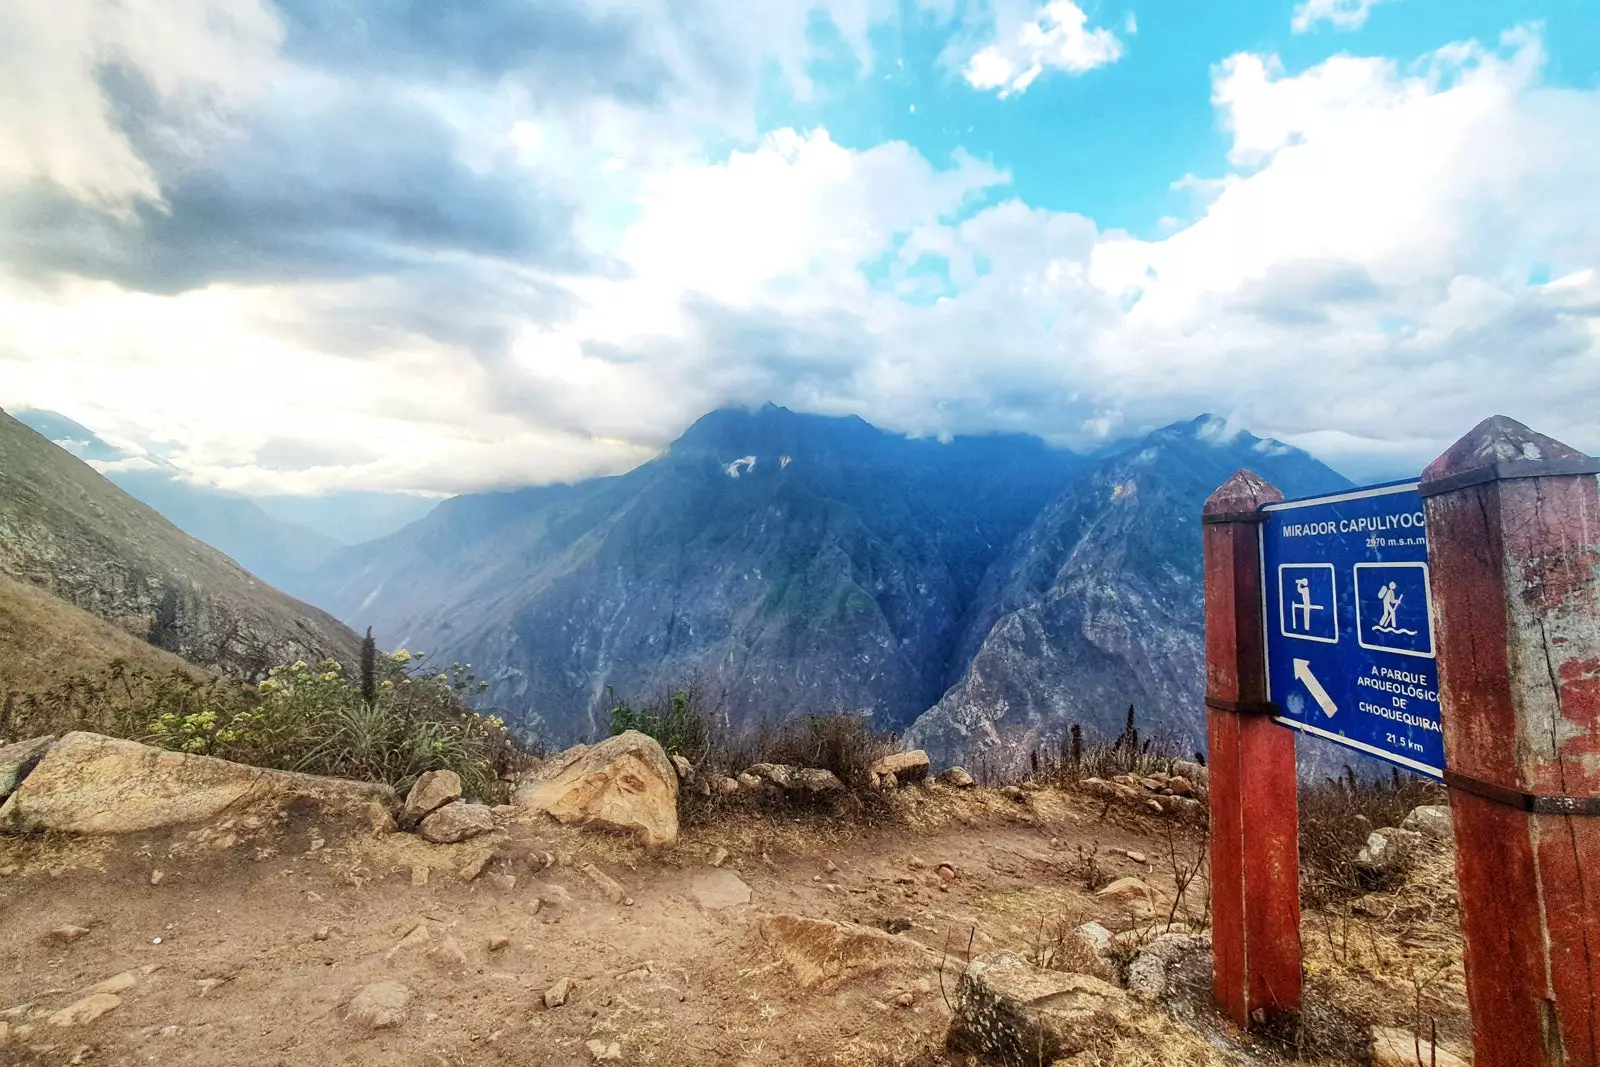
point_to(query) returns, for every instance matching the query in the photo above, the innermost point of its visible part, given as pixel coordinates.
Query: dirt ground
(247, 947)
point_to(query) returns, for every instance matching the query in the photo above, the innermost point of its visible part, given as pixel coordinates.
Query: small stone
(1137, 857)
(86, 1010)
(169, 1031)
(206, 986)
(117, 983)
(726, 785)
(719, 857)
(505, 883)
(68, 933)
(603, 1052)
(447, 955)
(1430, 820)
(322, 934)
(684, 768)
(905, 1000)
(716, 891)
(535, 905)
(1180, 786)
(831, 867)
(1129, 891)
(749, 782)
(419, 875)
(155, 877)
(557, 995)
(608, 885)
(947, 872)
(1388, 851)
(916, 863)
(1155, 805)
(498, 942)
(380, 1006)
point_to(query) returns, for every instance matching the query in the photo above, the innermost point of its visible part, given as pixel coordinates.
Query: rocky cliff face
(1099, 603)
(67, 530)
(794, 562)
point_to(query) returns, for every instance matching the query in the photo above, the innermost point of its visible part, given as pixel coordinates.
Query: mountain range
(978, 595)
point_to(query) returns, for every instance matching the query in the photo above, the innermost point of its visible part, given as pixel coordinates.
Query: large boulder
(89, 784)
(432, 791)
(1019, 1014)
(18, 759)
(820, 953)
(625, 784)
(905, 766)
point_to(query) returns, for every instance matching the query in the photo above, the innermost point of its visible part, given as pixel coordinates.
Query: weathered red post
(1514, 551)
(1255, 861)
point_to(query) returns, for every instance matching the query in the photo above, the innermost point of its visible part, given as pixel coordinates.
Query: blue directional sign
(1349, 621)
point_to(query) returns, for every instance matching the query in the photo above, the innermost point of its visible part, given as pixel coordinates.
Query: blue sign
(1349, 620)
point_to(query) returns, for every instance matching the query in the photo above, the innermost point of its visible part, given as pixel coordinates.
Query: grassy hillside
(44, 640)
(67, 530)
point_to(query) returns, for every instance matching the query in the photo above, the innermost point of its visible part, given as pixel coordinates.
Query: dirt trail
(228, 968)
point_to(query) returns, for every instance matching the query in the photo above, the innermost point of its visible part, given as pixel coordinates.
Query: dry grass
(45, 641)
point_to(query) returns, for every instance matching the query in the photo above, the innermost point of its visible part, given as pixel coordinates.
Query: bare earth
(227, 966)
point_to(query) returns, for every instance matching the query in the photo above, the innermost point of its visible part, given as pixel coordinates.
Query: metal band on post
(1242, 707)
(1537, 803)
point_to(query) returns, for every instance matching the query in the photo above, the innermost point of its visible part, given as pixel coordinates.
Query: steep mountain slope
(1100, 604)
(44, 640)
(66, 529)
(794, 561)
(280, 553)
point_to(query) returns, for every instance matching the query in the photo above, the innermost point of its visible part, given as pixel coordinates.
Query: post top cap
(1498, 440)
(1242, 494)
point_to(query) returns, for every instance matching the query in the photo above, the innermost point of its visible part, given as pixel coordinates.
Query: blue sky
(292, 247)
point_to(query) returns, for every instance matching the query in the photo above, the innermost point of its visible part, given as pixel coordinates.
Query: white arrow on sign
(1303, 675)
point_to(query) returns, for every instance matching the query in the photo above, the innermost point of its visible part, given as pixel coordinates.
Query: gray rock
(1148, 973)
(432, 791)
(775, 773)
(607, 885)
(749, 783)
(958, 777)
(815, 780)
(1196, 773)
(457, 821)
(17, 759)
(1017, 1013)
(1388, 851)
(726, 785)
(380, 1006)
(684, 768)
(905, 766)
(1430, 820)
(719, 889)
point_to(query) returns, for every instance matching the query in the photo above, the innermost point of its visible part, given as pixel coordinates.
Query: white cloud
(201, 58)
(1340, 14)
(1055, 36)
(1356, 282)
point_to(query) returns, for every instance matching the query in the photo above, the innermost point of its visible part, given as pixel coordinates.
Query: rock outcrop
(822, 954)
(624, 784)
(1019, 1014)
(89, 784)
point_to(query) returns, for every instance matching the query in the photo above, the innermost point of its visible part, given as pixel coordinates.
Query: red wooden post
(1255, 859)
(1514, 553)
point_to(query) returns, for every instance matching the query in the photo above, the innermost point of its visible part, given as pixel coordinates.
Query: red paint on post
(1514, 559)
(1255, 863)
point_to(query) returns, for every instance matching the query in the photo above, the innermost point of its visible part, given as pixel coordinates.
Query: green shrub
(676, 723)
(299, 718)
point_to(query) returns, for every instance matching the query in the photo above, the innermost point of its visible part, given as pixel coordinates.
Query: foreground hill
(69, 531)
(794, 561)
(44, 641)
(1100, 602)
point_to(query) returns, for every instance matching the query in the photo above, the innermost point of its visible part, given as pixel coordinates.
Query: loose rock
(905, 766)
(447, 955)
(625, 783)
(719, 857)
(1388, 851)
(608, 885)
(457, 821)
(1147, 974)
(1430, 820)
(824, 954)
(68, 933)
(556, 995)
(716, 890)
(380, 1006)
(432, 791)
(958, 777)
(603, 1052)
(726, 785)
(86, 1010)
(684, 768)
(498, 942)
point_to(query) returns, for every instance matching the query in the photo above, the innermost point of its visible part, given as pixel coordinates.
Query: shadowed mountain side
(66, 529)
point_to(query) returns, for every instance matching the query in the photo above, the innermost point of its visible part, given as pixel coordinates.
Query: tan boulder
(624, 784)
(821, 953)
(89, 784)
(905, 766)
(457, 821)
(432, 791)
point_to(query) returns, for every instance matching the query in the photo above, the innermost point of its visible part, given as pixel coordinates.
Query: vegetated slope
(1100, 603)
(278, 552)
(44, 640)
(66, 529)
(794, 561)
